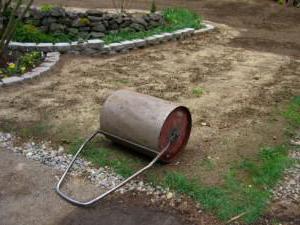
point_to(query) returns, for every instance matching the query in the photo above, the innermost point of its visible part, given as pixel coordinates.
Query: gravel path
(286, 199)
(286, 193)
(27, 198)
(104, 178)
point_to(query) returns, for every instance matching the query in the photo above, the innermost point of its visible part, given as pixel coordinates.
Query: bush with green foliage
(30, 33)
(47, 8)
(179, 18)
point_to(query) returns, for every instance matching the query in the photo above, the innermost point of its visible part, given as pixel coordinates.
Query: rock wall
(90, 24)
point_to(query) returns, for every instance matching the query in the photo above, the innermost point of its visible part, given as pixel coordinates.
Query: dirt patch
(240, 91)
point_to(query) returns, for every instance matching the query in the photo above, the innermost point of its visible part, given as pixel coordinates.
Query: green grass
(176, 18)
(101, 156)
(179, 18)
(198, 91)
(238, 196)
(292, 114)
(47, 8)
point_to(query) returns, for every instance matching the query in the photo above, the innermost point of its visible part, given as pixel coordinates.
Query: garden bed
(27, 66)
(51, 29)
(19, 63)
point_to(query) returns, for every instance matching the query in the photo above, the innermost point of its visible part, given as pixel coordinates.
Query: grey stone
(58, 12)
(112, 25)
(65, 20)
(93, 12)
(151, 40)
(30, 75)
(99, 28)
(40, 69)
(47, 21)
(95, 44)
(72, 31)
(95, 18)
(105, 50)
(137, 27)
(167, 36)
(128, 44)
(62, 47)
(119, 20)
(77, 23)
(139, 43)
(84, 29)
(90, 51)
(141, 21)
(159, 37)
(97, 35)
(11, 80)
(155, 16)
(45, 47)
(54, 27)
(72, 15)
(115, 47)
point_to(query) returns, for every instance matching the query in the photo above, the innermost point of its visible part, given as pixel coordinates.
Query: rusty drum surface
(146, 123)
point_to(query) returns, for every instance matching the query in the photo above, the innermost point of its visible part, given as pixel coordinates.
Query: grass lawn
(247, 186)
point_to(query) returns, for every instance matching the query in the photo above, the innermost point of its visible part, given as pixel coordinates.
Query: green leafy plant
(24, 63)
(198, 91)
(177, 18)
(182, 18)
(30, 33)
(47, 8)
(153, 6)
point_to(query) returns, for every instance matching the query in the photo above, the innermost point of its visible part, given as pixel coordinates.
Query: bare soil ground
(248, 68)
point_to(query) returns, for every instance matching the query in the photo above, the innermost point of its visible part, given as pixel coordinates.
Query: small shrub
(198, 91)
(182, 18)
(30, 33)
(47, 8)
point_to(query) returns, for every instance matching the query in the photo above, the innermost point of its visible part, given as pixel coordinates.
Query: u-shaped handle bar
(89, 202)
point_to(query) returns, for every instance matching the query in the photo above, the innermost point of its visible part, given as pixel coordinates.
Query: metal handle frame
(90, 202)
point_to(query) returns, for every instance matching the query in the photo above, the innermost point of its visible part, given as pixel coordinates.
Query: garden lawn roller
(149, 125)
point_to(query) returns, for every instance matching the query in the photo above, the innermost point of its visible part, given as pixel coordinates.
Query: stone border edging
(97, 46)
(50, 60)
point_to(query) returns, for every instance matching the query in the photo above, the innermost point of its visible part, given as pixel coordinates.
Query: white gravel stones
(288, 190)
(103, 177)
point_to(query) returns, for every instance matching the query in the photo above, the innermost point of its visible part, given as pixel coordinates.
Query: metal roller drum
(150, 125)
(145, 123)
